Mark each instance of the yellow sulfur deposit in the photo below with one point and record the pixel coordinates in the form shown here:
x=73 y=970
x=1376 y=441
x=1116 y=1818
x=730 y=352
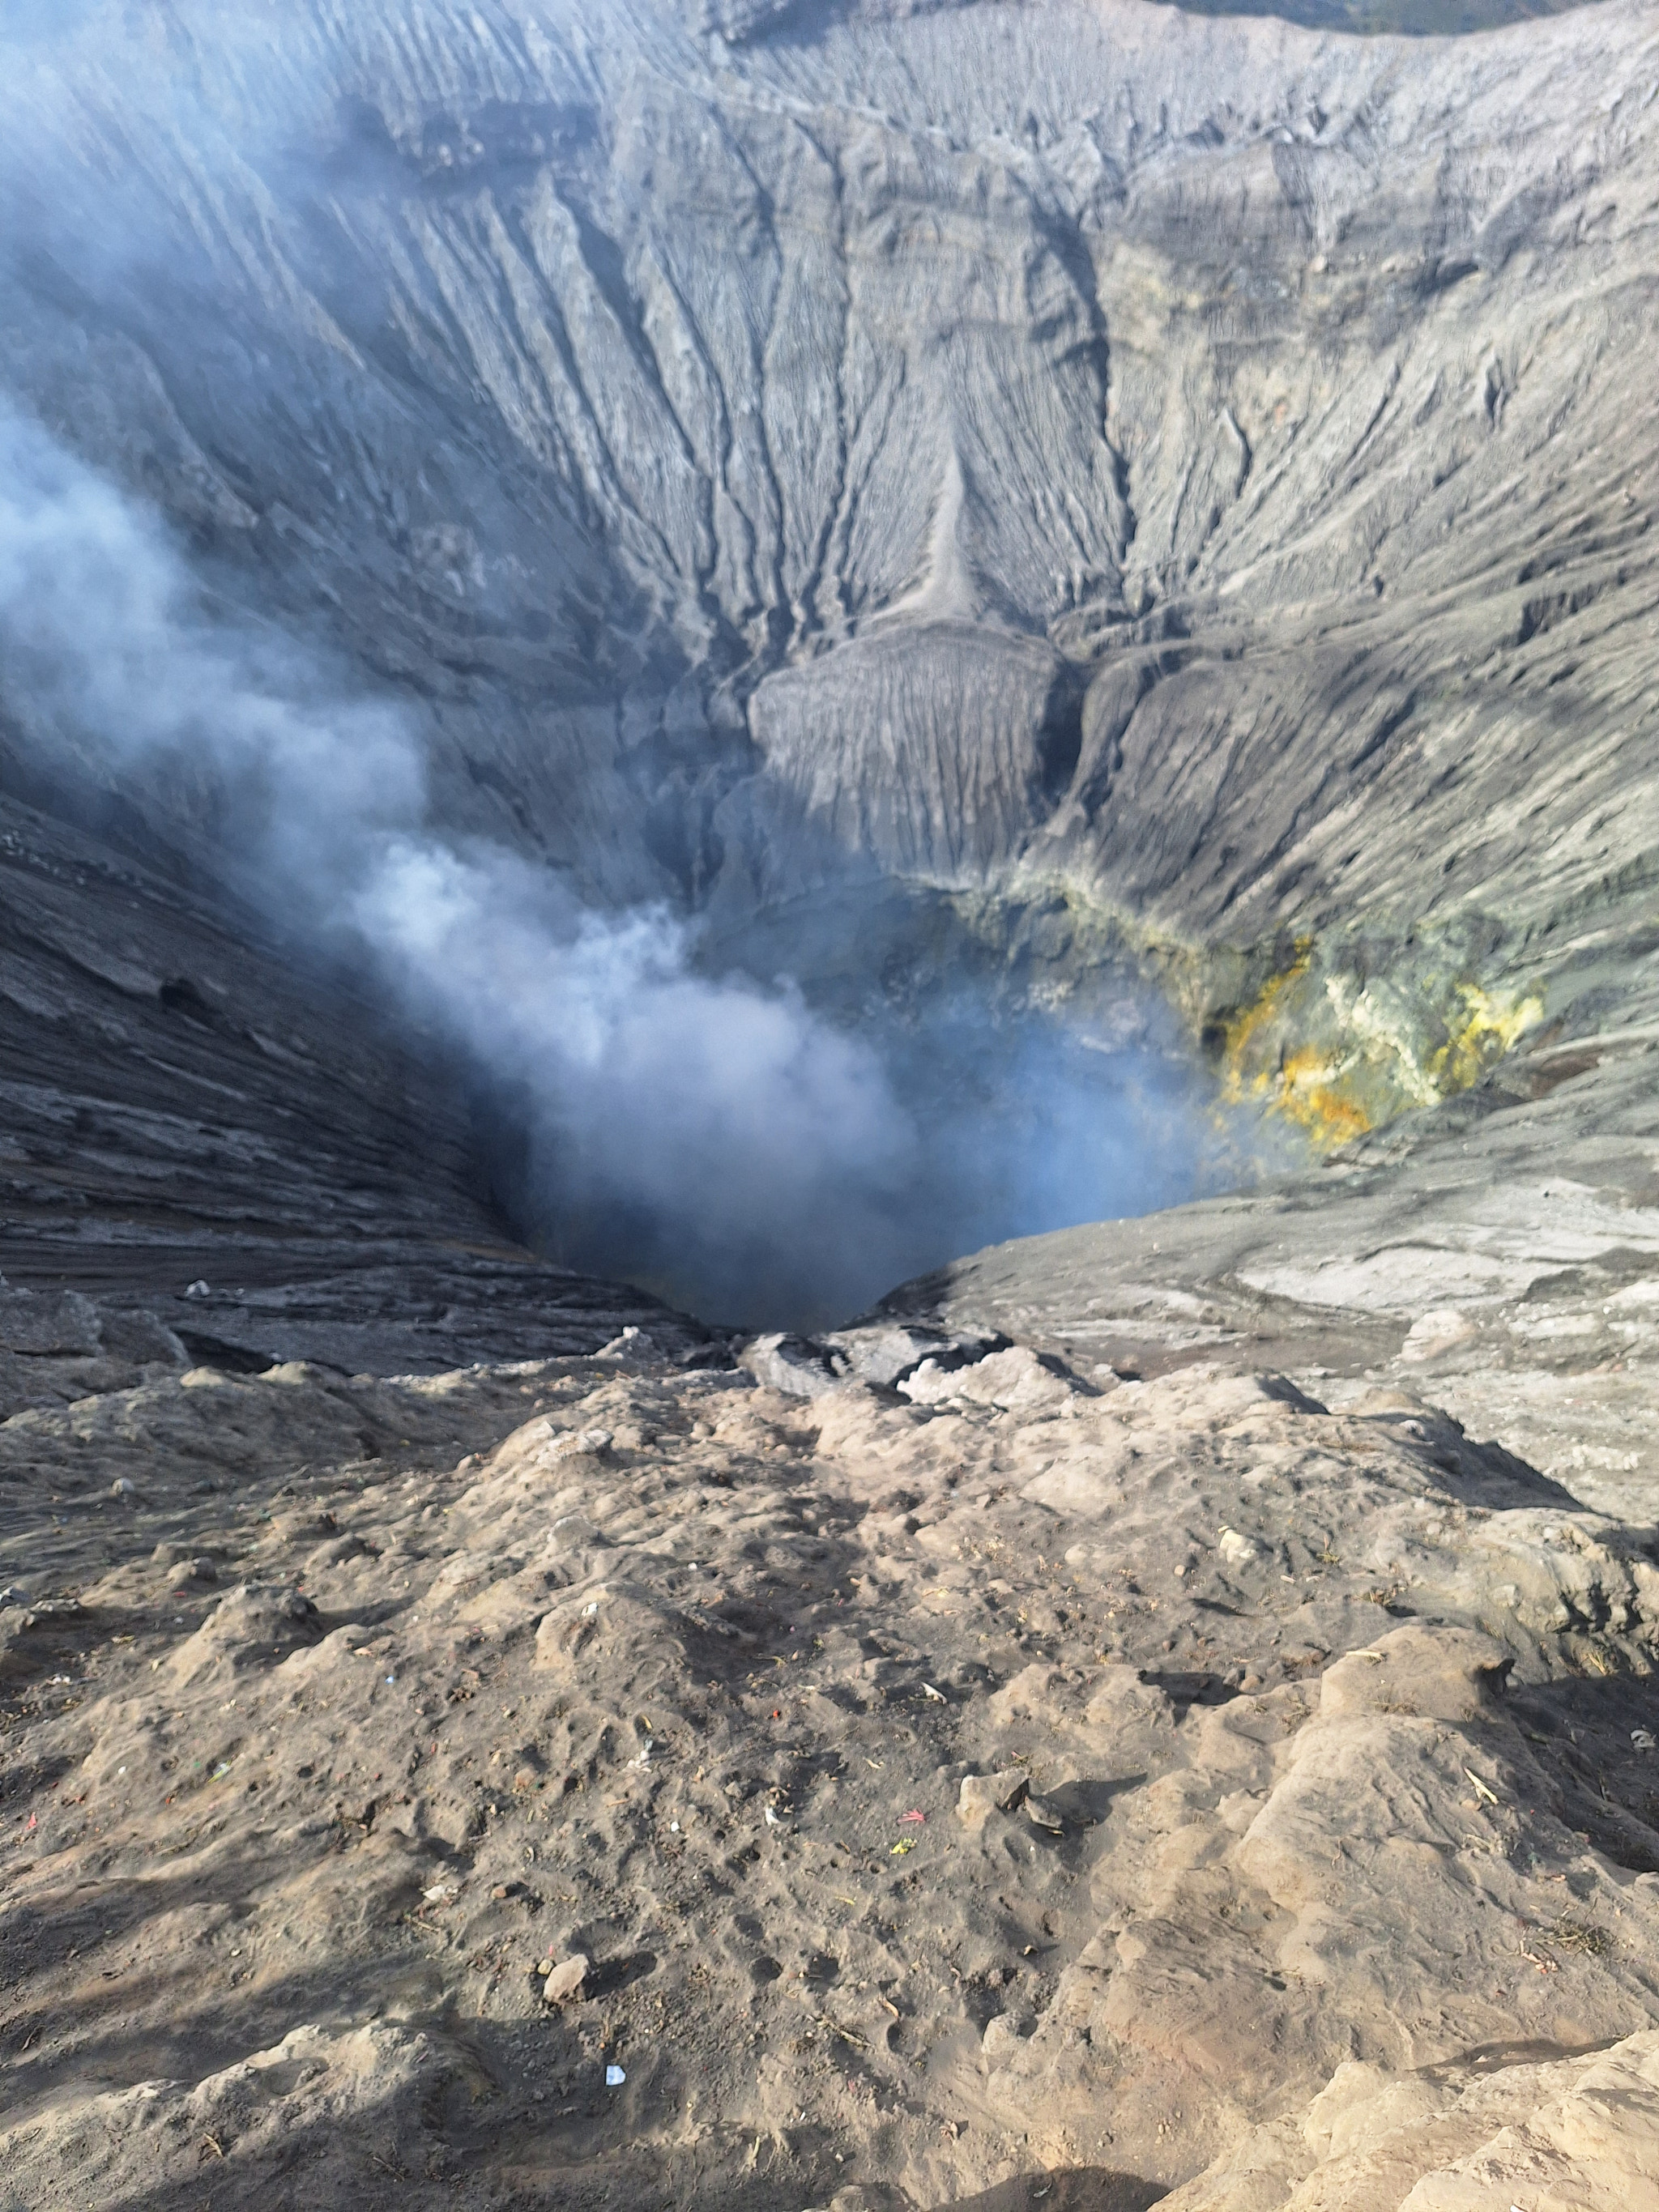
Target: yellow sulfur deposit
x=1338 y=1058
x=1492 y=1023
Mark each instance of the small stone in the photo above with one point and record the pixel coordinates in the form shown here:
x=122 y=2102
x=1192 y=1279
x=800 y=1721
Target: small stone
x=1237 y=1551
x=1003 y=2035
x=981 y=1794
x=592 y=1443
x=565 y=1981
x=1043 y=1816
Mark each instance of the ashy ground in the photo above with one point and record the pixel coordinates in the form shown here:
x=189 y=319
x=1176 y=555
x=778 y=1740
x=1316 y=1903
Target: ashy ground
x=1001 y=1782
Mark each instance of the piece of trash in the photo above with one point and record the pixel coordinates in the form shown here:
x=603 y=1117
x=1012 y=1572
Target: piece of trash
x=772 y=1820
x=199 y=1289
x=912 y=1816
x=673 y=1827
x=1487 y=1796
x=937 y=1696
x=391 y=1678
x=588 y=1611
x=438 y=1893
x=777 y=1713
x=222 y=1770
x=614 y=2077
x=899 y=1850
x=1641 y=1738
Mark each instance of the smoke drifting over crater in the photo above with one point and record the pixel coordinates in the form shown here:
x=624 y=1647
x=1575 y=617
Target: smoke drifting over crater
x=709 y=1134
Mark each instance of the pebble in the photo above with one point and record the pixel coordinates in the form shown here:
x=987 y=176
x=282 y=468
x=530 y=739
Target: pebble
x=981 y=1794
x=565 y=1980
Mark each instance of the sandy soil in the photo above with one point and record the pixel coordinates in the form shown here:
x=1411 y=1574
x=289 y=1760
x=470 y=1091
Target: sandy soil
x=1013 y=1787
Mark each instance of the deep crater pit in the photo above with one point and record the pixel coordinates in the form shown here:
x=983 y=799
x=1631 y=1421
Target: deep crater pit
x=993 y=1092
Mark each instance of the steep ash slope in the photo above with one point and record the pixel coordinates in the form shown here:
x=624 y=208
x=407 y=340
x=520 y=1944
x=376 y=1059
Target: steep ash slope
x=1194 y=477
x=1074 y=499
x=211 y=1148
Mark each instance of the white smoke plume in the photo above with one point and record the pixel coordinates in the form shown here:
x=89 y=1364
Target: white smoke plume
x=710 y=1136
x=729 y=1117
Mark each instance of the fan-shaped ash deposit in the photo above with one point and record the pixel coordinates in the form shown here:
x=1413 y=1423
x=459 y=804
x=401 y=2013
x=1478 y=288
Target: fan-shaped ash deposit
x=1133 y=510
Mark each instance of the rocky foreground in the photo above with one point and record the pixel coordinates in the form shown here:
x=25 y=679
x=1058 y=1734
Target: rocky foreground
x=598 y=1780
